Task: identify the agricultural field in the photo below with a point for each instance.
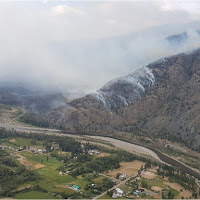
(62, 167)
(60, 171)
(151, 185)
(129, 168)
(34, 195)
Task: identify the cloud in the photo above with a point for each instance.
(64, 9)
(192, 7)
(111, 21)
(79, 46)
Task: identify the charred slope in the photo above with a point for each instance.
(162, 101)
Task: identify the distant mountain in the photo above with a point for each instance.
(177, 39)
(32, 101)
(159, 100)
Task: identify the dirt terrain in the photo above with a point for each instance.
(10, 116)
(23, 160)
(183, 192)
(148, 175)
(129, 168)
(156, 188)
(103, 155)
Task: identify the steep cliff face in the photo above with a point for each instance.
(161, 98)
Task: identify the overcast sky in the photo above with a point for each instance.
(63, 44)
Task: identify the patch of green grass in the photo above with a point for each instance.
(108, 197)
(105, 197)
(176, 193)
(50, 177)
(40, 158)
(10, 144)
(173, 191)
(158, 181)
(126, 188)
(22, 141)
(34, 195)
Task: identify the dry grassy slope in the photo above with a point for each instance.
(171, 105)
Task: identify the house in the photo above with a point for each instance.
(118, 193)
(93, 152)
(76, 187)
(146, 193)
(115, 195)
(21, 149)
(123, 176)
(140, 191)
(40, 150)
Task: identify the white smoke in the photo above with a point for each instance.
(78, 47)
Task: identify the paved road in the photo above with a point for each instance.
(115, 186)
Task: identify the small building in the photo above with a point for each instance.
(140, 192)
(21, 149)
(118, 193)
(123, 176)
(115, 195)
(93, 152)
(76, 187)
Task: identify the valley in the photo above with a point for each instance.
(65, 170)
(100, 100)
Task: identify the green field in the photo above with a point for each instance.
(51, 180)
(25, 142)
(22, 142)
(34, 195)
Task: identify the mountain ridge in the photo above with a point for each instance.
(164, 109)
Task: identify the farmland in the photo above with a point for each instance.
(67, 168)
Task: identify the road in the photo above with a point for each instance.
(116, 186)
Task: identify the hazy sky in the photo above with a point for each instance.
(78, 46)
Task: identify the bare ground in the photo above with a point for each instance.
(149, 175)
(103, 155)
(130, 168)
(176, 186)
(23, 160)
(156, 188)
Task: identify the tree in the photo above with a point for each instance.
(118, 175)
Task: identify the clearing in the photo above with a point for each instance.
(28, 164)
(183, 192)
(34, 195)
(130, 168)
(149, 174)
